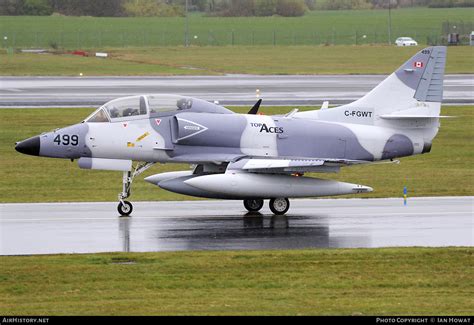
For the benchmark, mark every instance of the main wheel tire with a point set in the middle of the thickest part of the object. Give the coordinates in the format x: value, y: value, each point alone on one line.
x: 253, y: 205
x: 279, y: 206
x: 125, y: 209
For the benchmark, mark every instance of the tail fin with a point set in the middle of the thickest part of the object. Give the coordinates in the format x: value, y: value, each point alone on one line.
x: 415, y: 89
x: 430, y: 85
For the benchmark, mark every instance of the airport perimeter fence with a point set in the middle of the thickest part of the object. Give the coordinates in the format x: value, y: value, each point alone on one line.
x: 461, y: 28
x: 147, y: 38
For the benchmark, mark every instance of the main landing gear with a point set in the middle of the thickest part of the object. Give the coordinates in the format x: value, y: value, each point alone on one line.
x: 253, y: 205
x: 125, y: 208
x: 278, y: 206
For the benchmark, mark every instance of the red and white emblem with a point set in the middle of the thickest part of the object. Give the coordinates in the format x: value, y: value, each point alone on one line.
x: 418, y: 64
x: 125, y: 125
x: 158, y: 121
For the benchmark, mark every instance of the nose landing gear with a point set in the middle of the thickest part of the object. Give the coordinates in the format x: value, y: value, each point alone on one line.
x: 125, y: 208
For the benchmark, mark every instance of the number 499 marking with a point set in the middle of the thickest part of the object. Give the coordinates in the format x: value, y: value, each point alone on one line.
x: 66, y: 140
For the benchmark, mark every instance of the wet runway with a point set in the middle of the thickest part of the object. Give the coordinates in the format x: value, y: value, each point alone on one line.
x: 223, y: 225
x: 227, y: 89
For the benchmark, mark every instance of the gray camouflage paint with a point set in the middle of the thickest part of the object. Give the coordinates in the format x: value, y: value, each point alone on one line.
x: 221, y: 134
x: 315, y: 139
x: 209, y: 130
x: 409, y: 74
x: 427, y: 80
x: 48, y: 148
x: 397, y: 146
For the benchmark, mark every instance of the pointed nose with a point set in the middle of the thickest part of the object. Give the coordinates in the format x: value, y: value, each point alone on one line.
x: 29, y: 146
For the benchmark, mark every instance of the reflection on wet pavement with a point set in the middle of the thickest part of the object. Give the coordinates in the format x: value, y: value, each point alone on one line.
x: 224, y: 225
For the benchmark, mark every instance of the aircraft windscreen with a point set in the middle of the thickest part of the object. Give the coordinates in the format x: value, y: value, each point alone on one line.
x: 99, y: 116
x: 126, y: 107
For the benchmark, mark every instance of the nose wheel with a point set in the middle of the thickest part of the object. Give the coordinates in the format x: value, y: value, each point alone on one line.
x: 125, y: 208
x: 279, y: 206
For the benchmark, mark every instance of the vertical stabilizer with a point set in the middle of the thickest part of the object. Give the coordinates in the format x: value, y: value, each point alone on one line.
x: 430, y: 87
x: 416, y: 88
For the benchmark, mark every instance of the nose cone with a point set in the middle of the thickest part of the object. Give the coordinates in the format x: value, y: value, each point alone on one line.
x: 152, y: 179
x: 29, y: 146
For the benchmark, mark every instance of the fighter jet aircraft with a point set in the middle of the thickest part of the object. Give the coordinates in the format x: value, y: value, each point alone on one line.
x: 253, y: 157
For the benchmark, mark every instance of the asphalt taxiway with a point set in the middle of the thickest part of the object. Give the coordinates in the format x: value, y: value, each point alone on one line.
x: 46, y: 228
x: 226, y: 89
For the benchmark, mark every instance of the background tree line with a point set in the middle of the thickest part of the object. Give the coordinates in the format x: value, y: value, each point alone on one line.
x: 121, y: 8
x: 287, y: 8
x: 97, y: 8
x: 383, y: 4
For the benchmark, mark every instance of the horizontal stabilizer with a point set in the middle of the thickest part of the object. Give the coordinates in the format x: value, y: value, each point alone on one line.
x: 415, y: 117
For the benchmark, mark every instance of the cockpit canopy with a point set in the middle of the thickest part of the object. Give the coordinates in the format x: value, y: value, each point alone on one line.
x: 136, y: 107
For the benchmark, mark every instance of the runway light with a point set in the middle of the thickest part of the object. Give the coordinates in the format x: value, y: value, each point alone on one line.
x: 80, y: 74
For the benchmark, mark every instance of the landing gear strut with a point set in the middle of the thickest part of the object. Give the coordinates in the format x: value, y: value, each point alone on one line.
x: 125, y: 208
x: 279, y: 206
x: 253, y: 205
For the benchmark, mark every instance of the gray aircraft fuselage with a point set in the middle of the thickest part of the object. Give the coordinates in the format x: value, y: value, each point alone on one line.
x: 207, y: 136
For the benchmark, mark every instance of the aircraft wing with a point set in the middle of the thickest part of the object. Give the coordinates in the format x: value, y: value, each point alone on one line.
x: 284, y: 166
x: 206, y: 158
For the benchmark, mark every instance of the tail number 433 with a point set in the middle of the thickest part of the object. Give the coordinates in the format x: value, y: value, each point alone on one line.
x: 66, y: 140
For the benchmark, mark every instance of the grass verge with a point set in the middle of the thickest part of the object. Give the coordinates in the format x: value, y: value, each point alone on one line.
x: 447, y: 170
x: 229, y: 59
x: 402, y: 281
x: 316, y: 27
